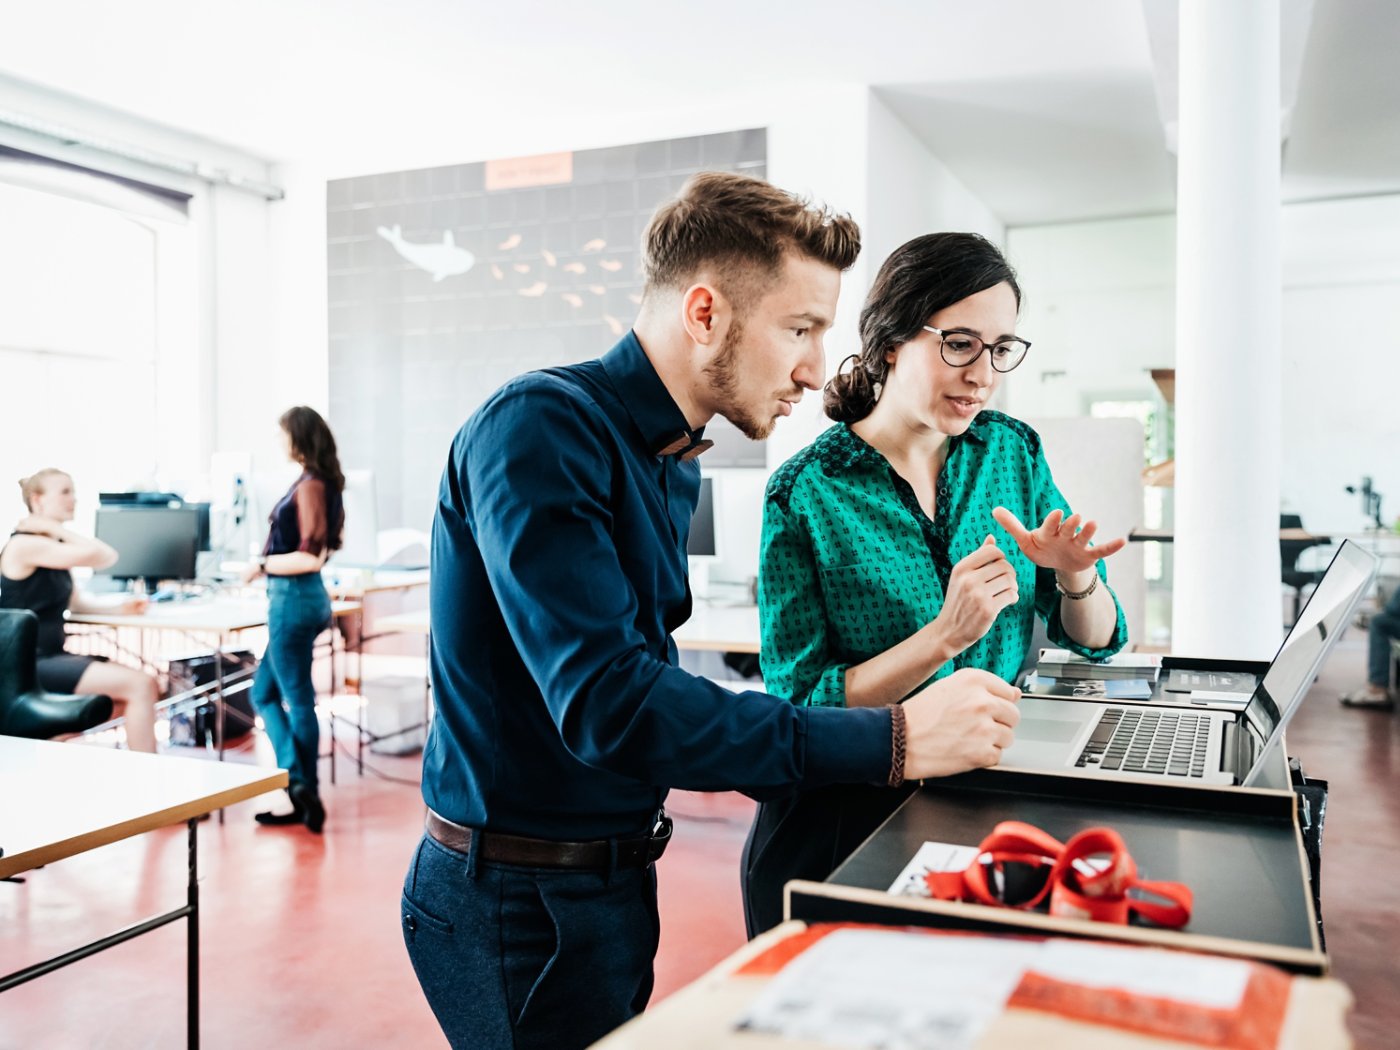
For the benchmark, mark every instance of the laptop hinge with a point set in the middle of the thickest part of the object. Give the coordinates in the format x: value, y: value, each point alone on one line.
x: 1234, y: 754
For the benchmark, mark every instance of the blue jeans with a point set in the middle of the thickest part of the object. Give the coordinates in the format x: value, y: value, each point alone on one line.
x: 1384, y: 626
x: 514, y: 958
x: 299, y: 609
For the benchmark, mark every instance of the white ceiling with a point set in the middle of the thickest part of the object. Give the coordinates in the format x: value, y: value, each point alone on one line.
x: 1046, y: 109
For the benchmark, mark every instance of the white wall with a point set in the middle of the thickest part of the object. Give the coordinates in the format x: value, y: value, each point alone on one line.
x: 1099, y: 308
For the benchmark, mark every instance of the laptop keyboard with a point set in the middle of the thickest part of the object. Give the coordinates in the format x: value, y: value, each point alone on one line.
x: 1155, y: 742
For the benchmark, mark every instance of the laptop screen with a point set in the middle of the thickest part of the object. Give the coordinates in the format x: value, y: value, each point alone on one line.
x: 1300, y: 657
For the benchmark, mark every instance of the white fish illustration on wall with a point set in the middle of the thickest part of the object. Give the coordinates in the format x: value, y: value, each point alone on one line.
x: 441, y: 259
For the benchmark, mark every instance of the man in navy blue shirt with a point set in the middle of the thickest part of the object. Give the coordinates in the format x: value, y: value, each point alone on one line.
x: 559, y: 574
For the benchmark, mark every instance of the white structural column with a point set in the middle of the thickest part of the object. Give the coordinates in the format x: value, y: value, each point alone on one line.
x: 1226, y: 590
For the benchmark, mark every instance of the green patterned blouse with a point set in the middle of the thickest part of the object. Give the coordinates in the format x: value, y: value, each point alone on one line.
x: 850, y: 565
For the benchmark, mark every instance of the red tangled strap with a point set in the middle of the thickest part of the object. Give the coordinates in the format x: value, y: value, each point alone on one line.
x: 1077, y: 888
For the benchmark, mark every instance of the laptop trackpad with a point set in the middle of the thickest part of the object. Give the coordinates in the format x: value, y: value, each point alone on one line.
x: 1048, y: 730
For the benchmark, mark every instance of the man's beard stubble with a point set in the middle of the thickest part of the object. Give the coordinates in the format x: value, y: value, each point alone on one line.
x: 724, y: 383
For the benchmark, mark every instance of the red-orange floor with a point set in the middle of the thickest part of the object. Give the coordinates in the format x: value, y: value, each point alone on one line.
x: 301, y: 944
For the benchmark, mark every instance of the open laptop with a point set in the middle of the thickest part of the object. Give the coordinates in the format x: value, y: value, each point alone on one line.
x: 1198, y: 746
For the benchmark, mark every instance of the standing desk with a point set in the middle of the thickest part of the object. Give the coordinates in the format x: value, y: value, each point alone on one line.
x: 63, y: 813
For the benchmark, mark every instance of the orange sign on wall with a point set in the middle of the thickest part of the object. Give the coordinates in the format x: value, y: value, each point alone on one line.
x: 545, y: 169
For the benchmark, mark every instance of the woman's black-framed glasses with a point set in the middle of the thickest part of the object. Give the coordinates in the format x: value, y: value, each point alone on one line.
x: 960, y: 349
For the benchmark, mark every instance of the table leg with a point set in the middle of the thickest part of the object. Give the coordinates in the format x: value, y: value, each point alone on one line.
x: 192, y: 942
x: 219, y: 709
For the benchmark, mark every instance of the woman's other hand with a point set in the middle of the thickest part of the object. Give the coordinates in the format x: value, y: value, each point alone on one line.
x: 980, y: 587
x: 134, y: 606
x: 1059, y: 543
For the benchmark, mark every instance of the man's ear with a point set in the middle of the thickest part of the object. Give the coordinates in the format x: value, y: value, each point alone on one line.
x: 703, y: 308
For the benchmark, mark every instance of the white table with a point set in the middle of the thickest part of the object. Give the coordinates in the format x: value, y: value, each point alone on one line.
x: 222, y: 616
x: 66, y: 799
x: 722, y: 628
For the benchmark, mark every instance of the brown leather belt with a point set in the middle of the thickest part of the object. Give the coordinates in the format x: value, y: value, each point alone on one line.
x: 635, y: 852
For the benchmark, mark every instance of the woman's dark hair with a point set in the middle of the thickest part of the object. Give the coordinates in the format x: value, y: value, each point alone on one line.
x: 313, y: 446
x: 920, y: 278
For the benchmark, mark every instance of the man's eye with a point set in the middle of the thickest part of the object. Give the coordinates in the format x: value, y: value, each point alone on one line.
x: 801, y: 332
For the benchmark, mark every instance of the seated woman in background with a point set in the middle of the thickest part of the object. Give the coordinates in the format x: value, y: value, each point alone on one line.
x: 34, y: 575
x: 894, y: 551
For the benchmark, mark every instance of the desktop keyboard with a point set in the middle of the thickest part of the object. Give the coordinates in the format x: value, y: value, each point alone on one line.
x: 1146, y: 741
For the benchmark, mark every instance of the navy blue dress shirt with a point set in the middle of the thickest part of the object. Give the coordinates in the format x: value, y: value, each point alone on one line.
x: 559, y: 573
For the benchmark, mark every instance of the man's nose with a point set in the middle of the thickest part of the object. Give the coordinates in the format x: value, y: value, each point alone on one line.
x: 811, y: 370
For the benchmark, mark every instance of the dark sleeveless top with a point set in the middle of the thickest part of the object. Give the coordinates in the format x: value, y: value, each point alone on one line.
x: 307, y: 518
x: 46, y: 593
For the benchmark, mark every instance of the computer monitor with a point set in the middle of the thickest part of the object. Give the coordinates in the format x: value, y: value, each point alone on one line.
x: 152, y: 543
x: 702, y: 539
x: 359, y: 547
x: 159, y: 499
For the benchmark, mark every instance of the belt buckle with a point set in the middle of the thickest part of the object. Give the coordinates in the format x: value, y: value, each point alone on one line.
x: 659, y: 837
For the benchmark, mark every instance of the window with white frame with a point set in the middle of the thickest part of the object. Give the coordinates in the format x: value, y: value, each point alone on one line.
x: 80, y: 326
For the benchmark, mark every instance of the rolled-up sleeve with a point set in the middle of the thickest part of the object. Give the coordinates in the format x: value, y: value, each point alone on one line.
x: 539, y: 472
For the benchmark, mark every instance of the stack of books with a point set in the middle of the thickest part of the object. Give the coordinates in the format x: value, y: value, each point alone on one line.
x: 1061, y: 663
x: 1127, y: 676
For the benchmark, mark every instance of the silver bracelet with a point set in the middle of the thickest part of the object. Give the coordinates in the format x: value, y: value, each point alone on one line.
x: 1076, y: 596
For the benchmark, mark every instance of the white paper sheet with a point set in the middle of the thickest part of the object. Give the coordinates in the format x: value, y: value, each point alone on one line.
x: 1197, y: 979
x: 891, y: 990
x: 932, y: 856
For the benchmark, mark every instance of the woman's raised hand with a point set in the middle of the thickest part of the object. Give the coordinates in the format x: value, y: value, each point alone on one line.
x: 1059, y: 543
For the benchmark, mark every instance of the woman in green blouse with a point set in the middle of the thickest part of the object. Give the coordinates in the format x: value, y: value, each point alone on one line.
x: 918, y: 536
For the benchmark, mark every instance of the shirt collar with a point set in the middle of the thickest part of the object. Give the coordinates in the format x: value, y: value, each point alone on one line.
x: 850, y: 448
x: 652, y: 408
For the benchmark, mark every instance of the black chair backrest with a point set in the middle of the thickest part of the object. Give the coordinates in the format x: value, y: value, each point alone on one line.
x: 1290, y: 549
x: 19, y: 643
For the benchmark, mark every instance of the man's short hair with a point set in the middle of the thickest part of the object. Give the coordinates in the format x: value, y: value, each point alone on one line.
x: 741, y: 227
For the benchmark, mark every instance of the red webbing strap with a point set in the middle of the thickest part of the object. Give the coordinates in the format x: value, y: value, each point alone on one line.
x: 1077, y: 889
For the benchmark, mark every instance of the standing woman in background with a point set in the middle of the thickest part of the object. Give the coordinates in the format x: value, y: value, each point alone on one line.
x: 34, y: 575
x: 307, y: 524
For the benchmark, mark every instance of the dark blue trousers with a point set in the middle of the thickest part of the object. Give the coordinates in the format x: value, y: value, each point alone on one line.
x: 1385, y: 625
x: 298, y: 610
x: 515, y: 958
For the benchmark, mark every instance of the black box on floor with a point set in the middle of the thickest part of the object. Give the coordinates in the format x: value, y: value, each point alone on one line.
x: 196, y: 727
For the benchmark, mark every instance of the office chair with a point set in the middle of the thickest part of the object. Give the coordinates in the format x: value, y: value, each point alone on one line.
x: 25, y: 708
x: 1293, y: 576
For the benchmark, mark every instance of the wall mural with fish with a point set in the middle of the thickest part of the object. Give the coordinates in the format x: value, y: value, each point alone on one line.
x: 446, y: 282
